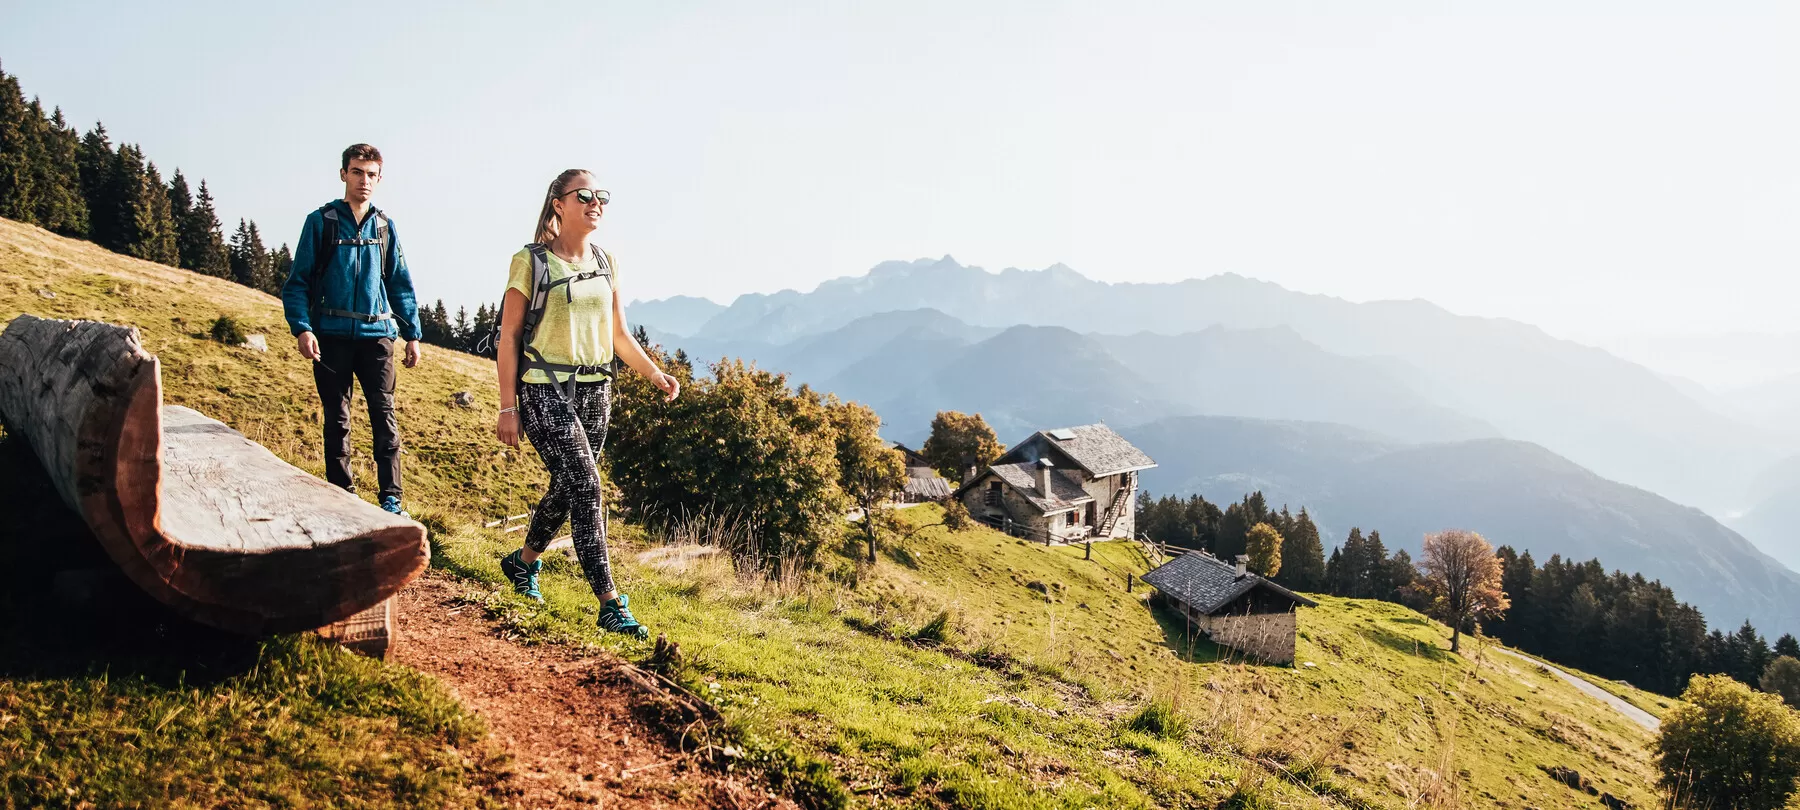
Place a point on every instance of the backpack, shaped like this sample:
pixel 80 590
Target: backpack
pixel 325 249
pixel 536 303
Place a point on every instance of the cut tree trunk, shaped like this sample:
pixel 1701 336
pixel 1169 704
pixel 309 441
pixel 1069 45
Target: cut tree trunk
pixel 205 520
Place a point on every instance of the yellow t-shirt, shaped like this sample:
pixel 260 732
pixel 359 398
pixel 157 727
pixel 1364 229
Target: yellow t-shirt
pixel 577 328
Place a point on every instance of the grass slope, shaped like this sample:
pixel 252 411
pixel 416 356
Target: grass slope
pixel 961 669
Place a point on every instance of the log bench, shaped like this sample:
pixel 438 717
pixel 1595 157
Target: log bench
pixel 206 521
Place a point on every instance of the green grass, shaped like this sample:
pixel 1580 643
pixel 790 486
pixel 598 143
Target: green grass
pixel 307 724
pixel 965 670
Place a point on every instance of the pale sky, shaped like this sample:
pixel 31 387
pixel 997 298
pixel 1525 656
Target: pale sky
pixel 1596 169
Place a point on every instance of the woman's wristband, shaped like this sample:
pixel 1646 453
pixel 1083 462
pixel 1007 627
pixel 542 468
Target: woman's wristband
pixel 509 410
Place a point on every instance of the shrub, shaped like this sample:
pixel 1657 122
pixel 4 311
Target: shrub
pixel 1726 746
pixel 226 330
pixel 741 443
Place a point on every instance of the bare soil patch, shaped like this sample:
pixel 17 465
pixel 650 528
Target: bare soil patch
pixel 580 731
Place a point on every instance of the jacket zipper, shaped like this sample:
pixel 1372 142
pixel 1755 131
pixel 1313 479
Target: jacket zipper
pixel 356 264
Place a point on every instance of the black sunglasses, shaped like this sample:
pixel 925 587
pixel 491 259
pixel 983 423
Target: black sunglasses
pixel 586 196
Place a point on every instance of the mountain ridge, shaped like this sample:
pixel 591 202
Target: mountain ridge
pixel 1609 414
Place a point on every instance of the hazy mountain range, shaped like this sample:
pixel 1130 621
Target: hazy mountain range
pixel 1033 349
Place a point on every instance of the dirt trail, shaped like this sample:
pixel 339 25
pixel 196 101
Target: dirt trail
pixel 580 732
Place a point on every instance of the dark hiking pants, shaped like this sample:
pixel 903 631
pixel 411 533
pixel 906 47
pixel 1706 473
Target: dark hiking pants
pixel 569 433
pixel 342 363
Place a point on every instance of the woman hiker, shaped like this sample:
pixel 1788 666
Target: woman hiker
pixel 561 324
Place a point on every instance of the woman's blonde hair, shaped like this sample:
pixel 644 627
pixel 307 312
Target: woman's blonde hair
pixel 549 224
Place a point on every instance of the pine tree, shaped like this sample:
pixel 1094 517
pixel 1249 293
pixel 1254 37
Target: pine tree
pixel 125 195
pixel 61 206
pixel 1787 645
pixel 1341 573
pixel 1372 574
pixel 434 326
pixel 258 256
pixel 156 221
pixel 1302 554
pixel 281 262
pixel 442 317
pixel 198 238
pixel 181 206
pixel 459 331
pixel 94 160
pixel 20 152
pixel 1750 654
pixel 249 260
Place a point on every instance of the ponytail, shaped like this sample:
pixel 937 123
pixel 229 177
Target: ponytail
pixel 549 224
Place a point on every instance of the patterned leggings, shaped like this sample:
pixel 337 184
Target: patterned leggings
pixel 568 437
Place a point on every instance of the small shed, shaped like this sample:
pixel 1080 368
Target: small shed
pixel 1230 605
pixel 923 484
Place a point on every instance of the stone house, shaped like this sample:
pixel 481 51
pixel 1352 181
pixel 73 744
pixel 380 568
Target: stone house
pixel 1061 486
pixel 1230 605
pixel 923 484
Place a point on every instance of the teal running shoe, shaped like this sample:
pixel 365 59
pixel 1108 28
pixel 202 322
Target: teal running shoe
pixel 615 617
pixel 392 504
pixel 523 577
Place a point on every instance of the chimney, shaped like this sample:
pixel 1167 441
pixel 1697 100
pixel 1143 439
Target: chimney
pixel 1243 564
pixel 1044 466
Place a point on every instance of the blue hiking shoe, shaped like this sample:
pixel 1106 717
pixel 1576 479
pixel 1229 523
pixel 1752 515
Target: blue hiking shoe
pixel 615 617
pixel 390 503
pixel 523 577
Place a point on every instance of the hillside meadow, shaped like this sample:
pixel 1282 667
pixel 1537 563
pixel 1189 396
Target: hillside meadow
pixel 961 669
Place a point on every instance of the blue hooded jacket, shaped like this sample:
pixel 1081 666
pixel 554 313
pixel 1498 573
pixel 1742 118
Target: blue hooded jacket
pixel 352 282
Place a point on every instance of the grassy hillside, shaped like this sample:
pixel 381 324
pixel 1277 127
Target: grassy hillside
pixel 960 670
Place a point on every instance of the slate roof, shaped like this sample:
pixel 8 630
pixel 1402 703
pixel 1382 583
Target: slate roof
pixel 1207 583
pixel 1095 447
pixel 1064 484
pixel 931 488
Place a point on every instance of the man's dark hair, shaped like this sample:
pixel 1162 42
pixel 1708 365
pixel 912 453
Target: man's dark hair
pixel 360 151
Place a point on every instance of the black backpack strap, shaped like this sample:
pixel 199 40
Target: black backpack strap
pixel 324 250
pixel 384 237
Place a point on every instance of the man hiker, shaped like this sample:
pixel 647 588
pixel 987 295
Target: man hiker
pixel 347 297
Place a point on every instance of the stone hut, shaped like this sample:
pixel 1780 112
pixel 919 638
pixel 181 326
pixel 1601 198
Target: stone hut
pixel 1061 486
pixel 923 483
pixel 1230 605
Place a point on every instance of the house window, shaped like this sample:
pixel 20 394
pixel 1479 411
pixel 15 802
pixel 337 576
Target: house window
pixel 992 497
pixel 1072 516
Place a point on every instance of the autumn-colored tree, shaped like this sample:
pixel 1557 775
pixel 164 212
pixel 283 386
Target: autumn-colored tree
pixel 1725 746
pixel 1462 579
pixel 1263 544
pixel 959 441
pixel 1783 678
pixel 869 471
